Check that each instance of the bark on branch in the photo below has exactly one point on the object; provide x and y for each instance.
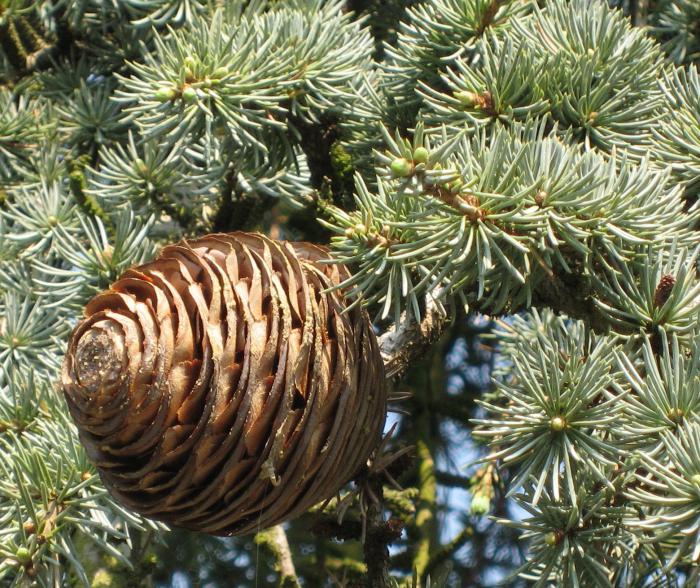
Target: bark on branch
(403, 343)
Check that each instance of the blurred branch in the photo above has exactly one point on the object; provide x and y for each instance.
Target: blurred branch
(447, 551)
(452, 480)
(638, 12)
(427, 503)
(275, 539)
(329, 527)
(428, 384)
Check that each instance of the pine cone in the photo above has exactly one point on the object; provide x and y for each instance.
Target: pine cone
(218, 388)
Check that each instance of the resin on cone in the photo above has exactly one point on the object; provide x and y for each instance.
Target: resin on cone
(219, 388)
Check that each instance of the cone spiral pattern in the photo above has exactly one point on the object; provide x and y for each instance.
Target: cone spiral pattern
(220, 389)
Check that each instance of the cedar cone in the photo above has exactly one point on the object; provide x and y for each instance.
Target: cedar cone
(220, 388)
(663, 290)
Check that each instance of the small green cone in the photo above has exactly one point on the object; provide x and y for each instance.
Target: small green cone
(189, 64)
(401, 168)
(480, 505)
(189, 94)
(551, 539)
(467, 99)
(165, 94)
(557, 424)
(23, 556)
(421, 155)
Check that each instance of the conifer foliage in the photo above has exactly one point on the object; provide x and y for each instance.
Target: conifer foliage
(533, 162)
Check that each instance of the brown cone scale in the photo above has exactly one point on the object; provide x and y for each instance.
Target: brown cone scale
(220, 388)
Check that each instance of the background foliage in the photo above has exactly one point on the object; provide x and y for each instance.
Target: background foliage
(518, 177)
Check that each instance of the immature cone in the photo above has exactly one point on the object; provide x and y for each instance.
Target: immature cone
(218, 388)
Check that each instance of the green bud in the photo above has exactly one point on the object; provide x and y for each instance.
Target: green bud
(140, 166)
(551, 538)
(189, 63)
(421, 155)
(467, 99)
(189, 94)
(676, 414)
(220, 72)
(401, 168)
(23, 556)
(164, 94)
(103, 579)
(480, 504)
(695, 479)
(557, 424)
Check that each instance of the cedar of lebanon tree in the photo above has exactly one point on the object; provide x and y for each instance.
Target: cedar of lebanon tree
(261, 220)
